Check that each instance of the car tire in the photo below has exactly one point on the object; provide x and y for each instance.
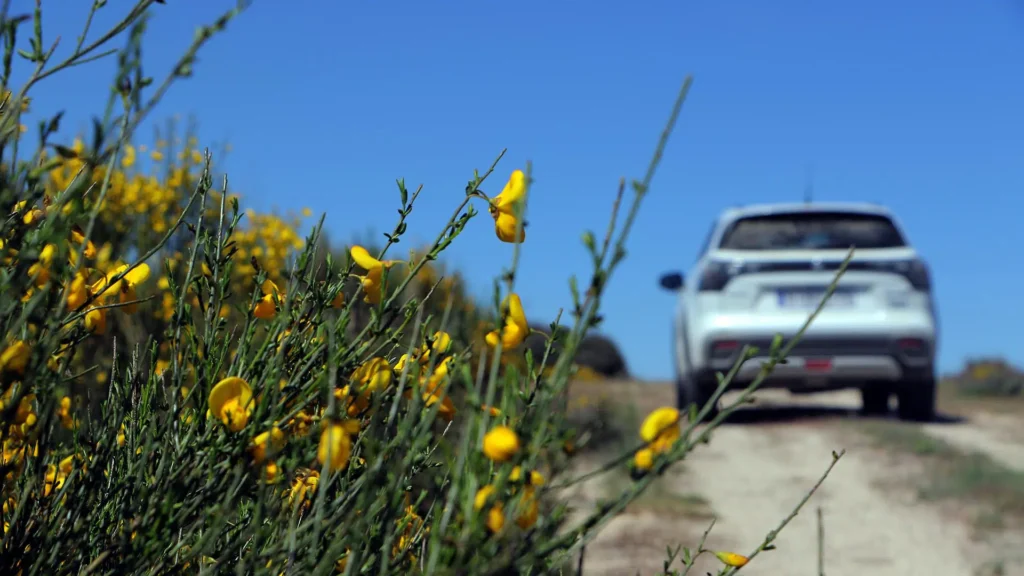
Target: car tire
(875, 398)
(916, 398)
(691, 390)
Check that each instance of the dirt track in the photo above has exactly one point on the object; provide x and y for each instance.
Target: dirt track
(758, 467)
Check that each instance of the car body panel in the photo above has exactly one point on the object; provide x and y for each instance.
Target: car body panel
(862, 334)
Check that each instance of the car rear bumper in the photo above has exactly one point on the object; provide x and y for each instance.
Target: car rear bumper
(819, 363)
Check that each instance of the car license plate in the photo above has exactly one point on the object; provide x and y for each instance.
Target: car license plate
(809, 299)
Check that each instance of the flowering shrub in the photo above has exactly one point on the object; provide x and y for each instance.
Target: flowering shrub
(267, 409)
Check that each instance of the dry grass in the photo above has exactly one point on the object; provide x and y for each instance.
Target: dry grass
(952, 401)
(993, 491)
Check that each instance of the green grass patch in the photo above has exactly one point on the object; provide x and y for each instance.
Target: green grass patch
(957, 475)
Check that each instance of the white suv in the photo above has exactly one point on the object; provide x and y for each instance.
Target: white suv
(764, 269)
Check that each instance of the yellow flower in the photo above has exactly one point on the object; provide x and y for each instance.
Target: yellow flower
(106, 287)
(67, 420)
(354, 405)
(503, 208)
(496, 518)
(266, 308)
(530, 509)
(137, 276)
(536, 478)
(120, 436)
(128, 160)
(15, 357)
(661, 429)
(373, 279)
(440, 377)
(336, 444)
(231, 402)
(339, 300)
(40, 271)
(305, 482)
(24, 411)
(413, 523)
(267, 444)
(96, 321)
(495, 515)
(440, 343)
(55, 476)
(447, 409)
(482, 495)
(732, 559)
(501, 443)
(32, 214)
(342, 563)
(516, 327)
(400, 365)
(644, 459)
(374, 374)
(78, 292)
(78, 236)
(300, 424)
(273, 472)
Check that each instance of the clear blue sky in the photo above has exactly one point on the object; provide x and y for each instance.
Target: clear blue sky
(916, 104)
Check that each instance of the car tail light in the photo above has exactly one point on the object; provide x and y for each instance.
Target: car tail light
(818, 364)
(915, 271)
(717, 274)
(724, 348)
(919, 276)
(912, 347)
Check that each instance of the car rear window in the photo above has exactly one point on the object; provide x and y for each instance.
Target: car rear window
(812, 231)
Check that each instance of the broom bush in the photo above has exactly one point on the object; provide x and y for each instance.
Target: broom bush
(188, 387)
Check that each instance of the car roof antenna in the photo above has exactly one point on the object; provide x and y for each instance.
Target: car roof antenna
(809, 186)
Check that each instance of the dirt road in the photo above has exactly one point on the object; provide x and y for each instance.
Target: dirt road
(1000, 436)
(759, 466)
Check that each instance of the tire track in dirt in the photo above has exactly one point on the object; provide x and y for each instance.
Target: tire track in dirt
(999, 436)
(760, 465)
(755, 470)
(754, 475)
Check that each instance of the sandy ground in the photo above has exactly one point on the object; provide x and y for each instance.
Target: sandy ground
(1000, 436)
(758, 467)
(636, 541)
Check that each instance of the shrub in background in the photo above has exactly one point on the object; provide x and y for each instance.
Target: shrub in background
(597, 356)
(988, 377)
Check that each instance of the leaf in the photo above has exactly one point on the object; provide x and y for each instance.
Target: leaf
(403, 192)
(97, 134)
(54, 124)
(65, 152)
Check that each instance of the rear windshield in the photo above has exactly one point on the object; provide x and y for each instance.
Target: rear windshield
(812, 231)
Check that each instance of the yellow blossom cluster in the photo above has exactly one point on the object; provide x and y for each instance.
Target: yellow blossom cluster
(268, 238)
(141, 206)
(133, 198)
(529, 509)
(96, 284)
(660, 430)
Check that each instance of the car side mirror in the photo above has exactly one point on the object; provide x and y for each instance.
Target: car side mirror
(671, 281)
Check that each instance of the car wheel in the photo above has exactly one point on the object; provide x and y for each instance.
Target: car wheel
(875, 398)
(690, 390)
(916, 399)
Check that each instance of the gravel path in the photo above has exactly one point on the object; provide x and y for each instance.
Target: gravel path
(755, 475)
(758, 467)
